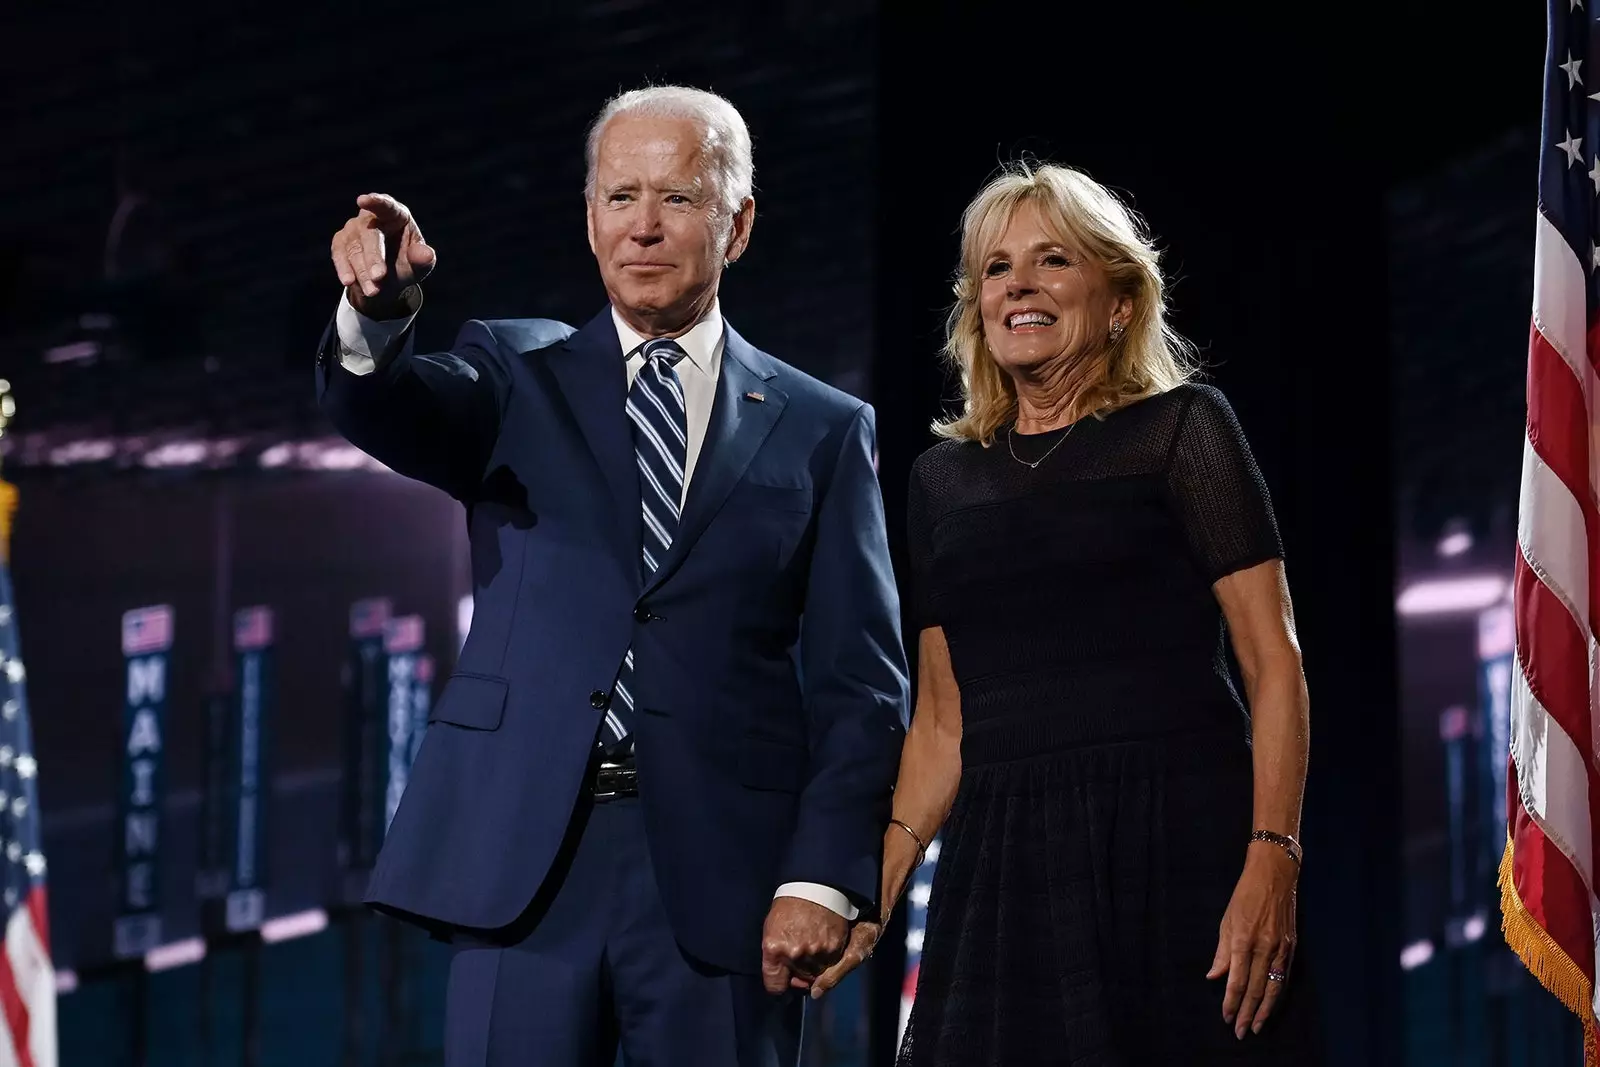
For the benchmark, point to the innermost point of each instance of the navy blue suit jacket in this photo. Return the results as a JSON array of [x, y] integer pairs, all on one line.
[[771, 681]]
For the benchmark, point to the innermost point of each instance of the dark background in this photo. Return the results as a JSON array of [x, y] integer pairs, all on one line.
[[1267, 154]]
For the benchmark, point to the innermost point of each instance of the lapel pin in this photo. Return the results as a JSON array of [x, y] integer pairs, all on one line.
[[759, 398]]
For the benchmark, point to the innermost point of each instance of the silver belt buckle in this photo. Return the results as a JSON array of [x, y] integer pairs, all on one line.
[[625, 775]]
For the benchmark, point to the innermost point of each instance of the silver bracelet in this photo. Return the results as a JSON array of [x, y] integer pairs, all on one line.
[[1283, 841]]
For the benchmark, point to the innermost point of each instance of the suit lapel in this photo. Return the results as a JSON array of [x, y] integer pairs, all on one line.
[[742, 415], [593, 377]]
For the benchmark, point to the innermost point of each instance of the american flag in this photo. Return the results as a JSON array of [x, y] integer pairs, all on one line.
[[147, 630], [1547, 879], [368, 617], [252, 629], [27, 979], [403, 634]]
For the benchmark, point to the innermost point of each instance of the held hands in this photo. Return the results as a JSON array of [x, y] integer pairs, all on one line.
[[1257, 937], [800, 942], [380, 254], [899, 861], [863, 940]]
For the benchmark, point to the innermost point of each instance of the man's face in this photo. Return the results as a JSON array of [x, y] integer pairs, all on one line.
[[657, 223]]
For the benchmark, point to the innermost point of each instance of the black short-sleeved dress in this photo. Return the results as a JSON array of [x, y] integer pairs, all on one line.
[[1105, 800]]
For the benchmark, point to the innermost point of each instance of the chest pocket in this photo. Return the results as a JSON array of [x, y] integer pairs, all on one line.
[[758, 528]]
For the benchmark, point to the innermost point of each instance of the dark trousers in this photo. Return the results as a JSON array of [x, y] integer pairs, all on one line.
[[593, 966]]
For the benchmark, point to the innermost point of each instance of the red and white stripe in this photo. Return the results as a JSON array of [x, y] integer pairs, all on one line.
[[147, 630], [28, 988], [1555, 698]]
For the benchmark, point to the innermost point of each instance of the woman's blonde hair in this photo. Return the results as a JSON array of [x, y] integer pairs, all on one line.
[[1148, 358]]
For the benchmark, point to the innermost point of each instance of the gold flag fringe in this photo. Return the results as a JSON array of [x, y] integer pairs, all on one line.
[[1546, 960], [8, 504]]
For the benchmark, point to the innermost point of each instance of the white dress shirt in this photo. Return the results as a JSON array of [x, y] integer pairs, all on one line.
[[697, 372], [364, 341]]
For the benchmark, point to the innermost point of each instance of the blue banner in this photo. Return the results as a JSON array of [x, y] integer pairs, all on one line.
[[255, 695], [421, 704], [146, 649], [366, 690], [402, 644], [1455, 729], [1497, 644]]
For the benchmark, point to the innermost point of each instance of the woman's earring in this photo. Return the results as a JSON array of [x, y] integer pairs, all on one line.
[[1116, 330]]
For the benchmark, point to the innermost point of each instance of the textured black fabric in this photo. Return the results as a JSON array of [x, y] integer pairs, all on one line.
[[1105, 797]]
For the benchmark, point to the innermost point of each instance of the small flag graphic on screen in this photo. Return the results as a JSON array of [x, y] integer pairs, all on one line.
[[252, 629], [367, 617], [403, 634], [146, 630]]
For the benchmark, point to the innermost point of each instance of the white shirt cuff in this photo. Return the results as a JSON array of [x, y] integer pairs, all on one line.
[[827, 896], [363, 340]]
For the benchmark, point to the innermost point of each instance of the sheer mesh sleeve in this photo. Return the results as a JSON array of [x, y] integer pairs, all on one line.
[[919, 554], [1217, 489]]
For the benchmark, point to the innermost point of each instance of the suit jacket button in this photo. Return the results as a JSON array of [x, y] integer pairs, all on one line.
[[642, 614], [599, 700]]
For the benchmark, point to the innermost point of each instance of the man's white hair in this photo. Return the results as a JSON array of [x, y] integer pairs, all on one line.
[[726, 137]]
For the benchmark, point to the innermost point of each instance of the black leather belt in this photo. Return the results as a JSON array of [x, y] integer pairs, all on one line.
[[614, 778]]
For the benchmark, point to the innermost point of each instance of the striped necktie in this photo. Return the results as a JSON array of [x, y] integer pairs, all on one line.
[[661, 448]]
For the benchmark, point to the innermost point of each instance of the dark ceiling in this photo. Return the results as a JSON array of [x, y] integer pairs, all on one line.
[[181, 176], [235, 147], [1461, 294]]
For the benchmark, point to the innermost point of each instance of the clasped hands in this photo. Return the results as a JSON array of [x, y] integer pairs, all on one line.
[[807, 946]]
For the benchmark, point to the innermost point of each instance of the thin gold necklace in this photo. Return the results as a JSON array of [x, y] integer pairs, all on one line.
[[1011, 446]]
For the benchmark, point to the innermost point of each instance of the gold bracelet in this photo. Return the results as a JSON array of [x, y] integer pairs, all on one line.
[[922, 850]]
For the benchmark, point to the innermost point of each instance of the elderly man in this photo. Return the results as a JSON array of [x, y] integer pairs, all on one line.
[[650, 798]]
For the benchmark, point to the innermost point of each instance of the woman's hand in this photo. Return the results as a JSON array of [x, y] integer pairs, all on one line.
[[863, 939], [1257, 937]]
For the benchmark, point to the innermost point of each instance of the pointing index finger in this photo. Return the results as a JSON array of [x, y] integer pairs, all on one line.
[[386, 207]]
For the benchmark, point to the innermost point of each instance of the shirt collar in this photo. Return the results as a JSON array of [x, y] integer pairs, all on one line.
[[699, 344]]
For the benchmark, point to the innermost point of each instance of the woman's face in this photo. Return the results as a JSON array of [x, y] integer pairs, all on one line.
[[1043, 302]]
